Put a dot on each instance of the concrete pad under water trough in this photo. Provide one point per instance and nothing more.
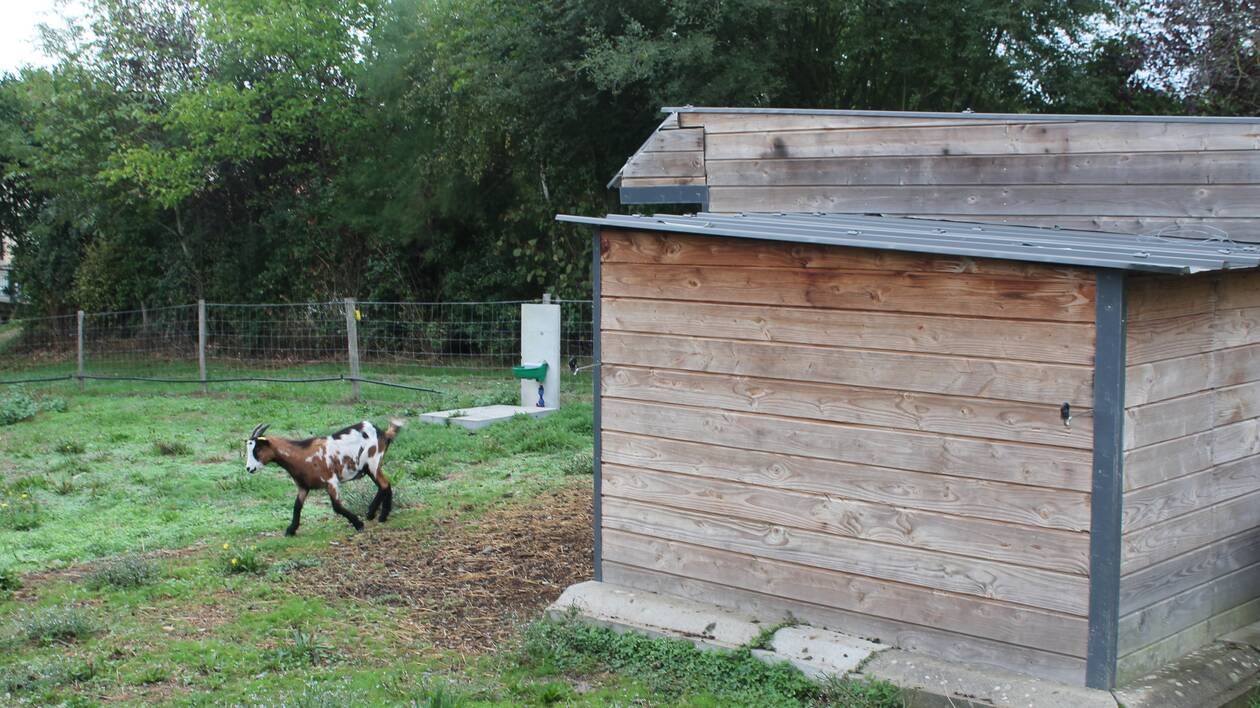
(480, 417)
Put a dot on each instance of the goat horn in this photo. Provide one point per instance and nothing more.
(258, 430)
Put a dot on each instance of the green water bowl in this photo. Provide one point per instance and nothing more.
(533, 372)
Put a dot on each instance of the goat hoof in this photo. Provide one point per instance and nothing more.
(290, 532)
(358, 527)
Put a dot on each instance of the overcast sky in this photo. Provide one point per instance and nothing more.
(18, 34)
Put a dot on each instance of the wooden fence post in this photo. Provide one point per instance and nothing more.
(201, 344)
(79, 347)
(352, 341)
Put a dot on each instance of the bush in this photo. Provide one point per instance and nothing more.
(123, 573)
(54, 624)
(21, 512)
(242, 560)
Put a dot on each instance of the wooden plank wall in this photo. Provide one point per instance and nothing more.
(672, 156)
(868, 440)
(1131, 177)
(1191, 548)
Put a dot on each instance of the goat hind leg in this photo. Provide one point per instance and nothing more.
(376, 500)
(334, 495)
(386, 495)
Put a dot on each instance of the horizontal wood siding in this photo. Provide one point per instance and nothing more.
(1122, 176)
(868, 440)
(1191, 545)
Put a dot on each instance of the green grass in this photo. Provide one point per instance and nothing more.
(146, 484)
(130, 467)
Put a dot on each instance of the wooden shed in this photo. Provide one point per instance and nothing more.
(1027, 447)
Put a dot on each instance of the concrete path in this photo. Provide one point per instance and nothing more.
(1222, 674)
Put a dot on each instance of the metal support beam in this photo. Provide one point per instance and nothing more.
(1108, 483)
(598, 500)
(694, 194)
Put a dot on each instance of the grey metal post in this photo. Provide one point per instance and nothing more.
(201, 344)
(597, 454)
(79, 347)
(1108, 481)
(352, 341)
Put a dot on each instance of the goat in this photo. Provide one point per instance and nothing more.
(326, 462)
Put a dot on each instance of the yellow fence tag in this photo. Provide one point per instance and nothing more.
(358, 316)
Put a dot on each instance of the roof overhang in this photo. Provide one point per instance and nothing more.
(1091, 249)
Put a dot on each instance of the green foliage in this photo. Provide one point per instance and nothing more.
(272, 150)
(16, 406)
(60, 624)
(123, 573)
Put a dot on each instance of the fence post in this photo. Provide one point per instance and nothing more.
(352, 341)
(79, 347)
(201, 344)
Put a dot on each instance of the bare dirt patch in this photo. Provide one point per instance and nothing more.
(466, 585)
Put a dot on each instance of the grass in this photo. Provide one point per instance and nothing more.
(146, 485)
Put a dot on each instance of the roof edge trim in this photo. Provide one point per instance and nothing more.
(1049, 117)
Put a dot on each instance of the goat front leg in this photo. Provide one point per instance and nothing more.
(297, 512)
(384, 499)
(334, 495)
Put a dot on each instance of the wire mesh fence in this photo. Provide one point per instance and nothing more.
(386, 342)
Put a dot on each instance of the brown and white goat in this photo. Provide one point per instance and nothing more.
(327, 462)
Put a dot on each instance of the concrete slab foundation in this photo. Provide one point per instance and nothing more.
(480, 417)
(1222, 674)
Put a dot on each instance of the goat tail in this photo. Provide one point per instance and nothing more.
(395, 425)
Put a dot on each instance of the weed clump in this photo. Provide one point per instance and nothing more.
(70, 447)
(17, 405)
(46, 625)
(304, 648)
(9, 580)
(579, 464)
(172, 448)
(123, 573)
(20, 512)
(44, 673)
(245, 559)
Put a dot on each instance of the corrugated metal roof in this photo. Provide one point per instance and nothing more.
(952, 238)
(1019, 117)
